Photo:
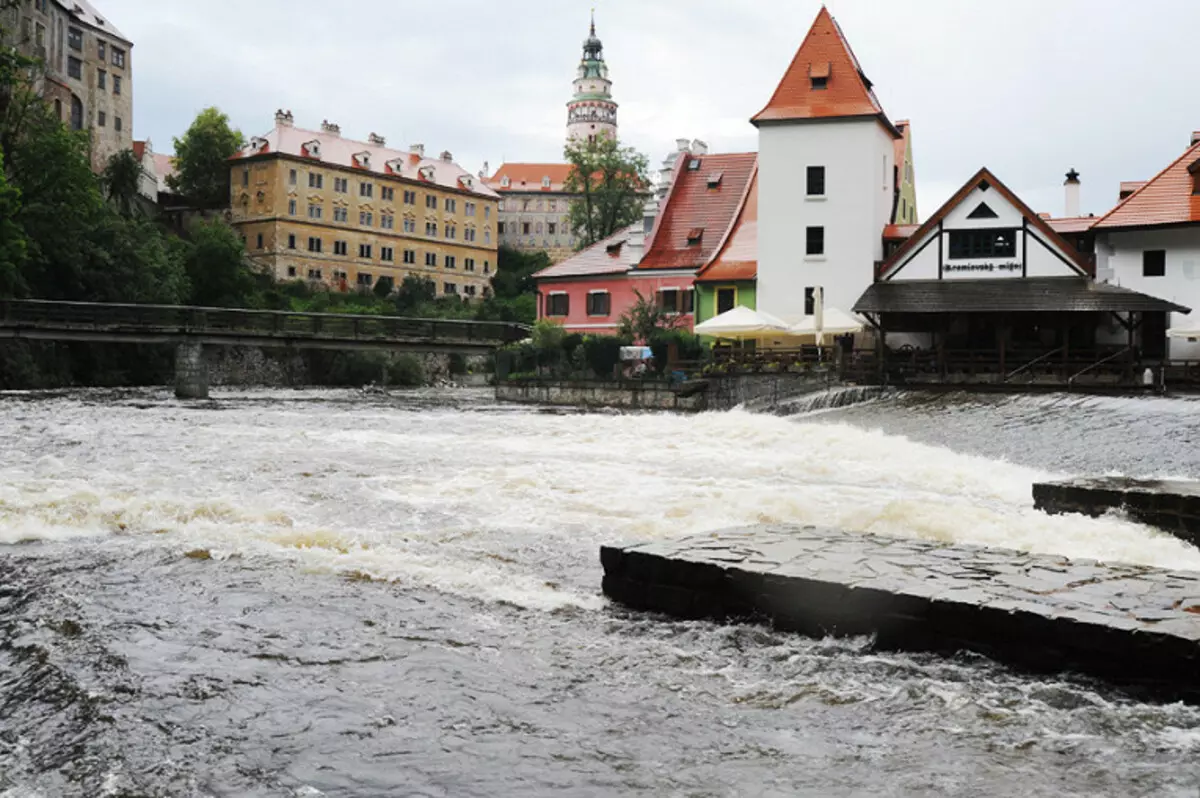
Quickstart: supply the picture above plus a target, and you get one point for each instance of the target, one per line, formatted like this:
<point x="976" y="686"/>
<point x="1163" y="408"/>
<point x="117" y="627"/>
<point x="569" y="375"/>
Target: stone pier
<point x="1138" y="627"/>
<point x="1170" y="505"/>
<point x="191" y="371"/>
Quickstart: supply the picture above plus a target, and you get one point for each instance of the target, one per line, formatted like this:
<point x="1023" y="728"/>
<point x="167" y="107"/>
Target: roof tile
<point x="610" y="256"/>
<point x="738" y="256"/>
<point x="1167" y="198"/>
<point x="530" y="177"/>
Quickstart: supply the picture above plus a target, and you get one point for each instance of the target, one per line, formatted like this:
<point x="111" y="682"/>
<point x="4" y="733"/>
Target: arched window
<point x="76" y="113"/>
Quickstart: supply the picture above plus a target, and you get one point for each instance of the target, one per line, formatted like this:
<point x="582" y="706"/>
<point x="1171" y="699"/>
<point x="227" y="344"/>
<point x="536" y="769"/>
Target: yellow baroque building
<point x="345" y="214"/>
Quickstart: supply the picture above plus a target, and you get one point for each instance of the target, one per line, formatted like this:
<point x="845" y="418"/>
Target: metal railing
<point x="189" y="320"/>
<point x="1098" y="364"/>
<point x="1033" y="363"/>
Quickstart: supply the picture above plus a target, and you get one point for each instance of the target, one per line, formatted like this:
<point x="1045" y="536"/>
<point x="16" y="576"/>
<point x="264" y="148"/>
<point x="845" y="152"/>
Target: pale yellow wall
<point x="260" y="204"/>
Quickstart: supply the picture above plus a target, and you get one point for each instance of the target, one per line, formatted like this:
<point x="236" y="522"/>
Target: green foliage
<point x="514" y="273"/>
<point x="215" y="260"/>
<point x="645" y="320"/>
<point x="413" y="292"/>
<point x="121" y="181"/>
<point x="548" y="336"/>
<point x="202" y="160"/>
<point x="356" y="369"/>
<point x="610" y="181"/>
<point x="384" y="287"/>
<point x="687" y="347"/>
<point x="603" y="354"/>
<point x="12" y="238"/>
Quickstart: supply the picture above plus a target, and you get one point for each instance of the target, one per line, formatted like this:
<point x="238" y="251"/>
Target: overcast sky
<point x="1029" y="88"/>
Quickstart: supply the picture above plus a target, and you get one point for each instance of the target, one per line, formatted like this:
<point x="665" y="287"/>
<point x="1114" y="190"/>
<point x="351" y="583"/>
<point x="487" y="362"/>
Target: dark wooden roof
<point x="1037" y="295"/>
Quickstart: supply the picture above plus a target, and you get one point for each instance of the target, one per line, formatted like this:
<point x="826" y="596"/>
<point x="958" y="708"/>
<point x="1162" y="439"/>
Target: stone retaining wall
<point x="633" y="395"/>
<point x="1170" y="505"/>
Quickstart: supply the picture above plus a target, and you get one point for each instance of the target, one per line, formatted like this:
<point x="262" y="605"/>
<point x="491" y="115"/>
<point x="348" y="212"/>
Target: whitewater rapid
<point x="493" y="503"/>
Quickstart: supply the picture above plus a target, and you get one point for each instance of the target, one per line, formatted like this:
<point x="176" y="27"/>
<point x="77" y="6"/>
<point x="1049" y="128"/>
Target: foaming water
<point x="408" y="583"/>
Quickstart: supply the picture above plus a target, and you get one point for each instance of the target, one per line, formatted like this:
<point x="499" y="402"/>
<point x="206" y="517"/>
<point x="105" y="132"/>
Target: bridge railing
<point x="183" y="319"/>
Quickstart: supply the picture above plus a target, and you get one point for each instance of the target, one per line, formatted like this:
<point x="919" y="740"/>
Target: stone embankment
<point x="1136" y="626"/>
<point x="1170" y="505"/>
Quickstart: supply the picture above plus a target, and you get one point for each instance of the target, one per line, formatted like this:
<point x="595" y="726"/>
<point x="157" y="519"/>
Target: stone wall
<point x="646" y="395"/>
<point x="763" y="391"/>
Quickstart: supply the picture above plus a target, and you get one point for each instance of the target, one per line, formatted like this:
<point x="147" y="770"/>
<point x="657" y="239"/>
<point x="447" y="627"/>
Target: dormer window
<point x="397" y="164"/>
<point x="695" y="236"/>
<point x="546" y="182"/>
<point x="427" y="172"/>
<point x="694" y="165"/>
<point x="258" y="144"/>
<point x="468" y="182"/>
<point x="362" y="160"/>
<point x="1194" y="171"/>
<point x="714" y="180"/>
<point x="313" y="149"/>
<point x="818" y="74"/>
<point x="505" y="182"/>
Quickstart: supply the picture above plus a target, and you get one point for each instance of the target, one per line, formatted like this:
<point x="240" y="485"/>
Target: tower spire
<point x="592" y="112"/>
<point x="593" y="28"/>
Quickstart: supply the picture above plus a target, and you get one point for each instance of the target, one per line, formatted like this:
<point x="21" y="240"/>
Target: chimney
<point x="283" y="118"/>
<point x="639" y="235"/>
<point x="699" y="147"/>
<point x="331" y="128"/>
<point x="1072" y="185"/>
<point x="447" y="157"/>
<point x="681" y="145"/>
<point x="377" y="140"/>
<point x="1195" y="137"/>
<point x="417" y="149"/>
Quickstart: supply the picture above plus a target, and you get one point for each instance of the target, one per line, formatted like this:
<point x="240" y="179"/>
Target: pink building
<point x="657" y="258"/>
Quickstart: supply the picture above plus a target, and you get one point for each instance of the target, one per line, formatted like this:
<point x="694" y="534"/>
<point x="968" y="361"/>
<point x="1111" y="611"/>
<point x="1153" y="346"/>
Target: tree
<point x="515" y="271"/>
<point x="202" y="160"/>
<point x="12" y="238"/>
<point x="610" y="183"/>
<point x="215" y="261"/>
<point x="414" y="291"/>
<point x="645" y="320"/>
<point x="121" y="180"/>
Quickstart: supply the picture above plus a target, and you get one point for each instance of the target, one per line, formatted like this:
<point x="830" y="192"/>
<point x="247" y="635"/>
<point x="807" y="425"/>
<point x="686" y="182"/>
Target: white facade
<point x="1120" y="260"/>
<point x="859" y="159"/>
<point x="1033" y="253"/>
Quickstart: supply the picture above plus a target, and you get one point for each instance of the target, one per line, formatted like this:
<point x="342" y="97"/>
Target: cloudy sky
<point x="1029" y="88"/>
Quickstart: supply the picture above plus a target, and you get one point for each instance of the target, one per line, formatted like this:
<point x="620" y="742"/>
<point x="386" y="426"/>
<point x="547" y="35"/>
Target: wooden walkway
<point x="174" y="324"/>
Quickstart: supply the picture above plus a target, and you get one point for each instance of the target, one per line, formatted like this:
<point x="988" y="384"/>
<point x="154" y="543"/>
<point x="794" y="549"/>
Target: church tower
<point x="592" y="111"/>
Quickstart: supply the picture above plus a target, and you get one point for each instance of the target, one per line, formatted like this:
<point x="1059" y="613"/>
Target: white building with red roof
<point x="1151" y="242"/>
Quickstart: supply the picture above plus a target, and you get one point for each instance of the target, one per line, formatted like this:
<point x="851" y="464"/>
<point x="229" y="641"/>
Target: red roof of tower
<point x="825" y="55"/>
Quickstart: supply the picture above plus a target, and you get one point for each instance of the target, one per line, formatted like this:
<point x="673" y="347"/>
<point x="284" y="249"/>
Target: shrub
<point x="603" y="353"/>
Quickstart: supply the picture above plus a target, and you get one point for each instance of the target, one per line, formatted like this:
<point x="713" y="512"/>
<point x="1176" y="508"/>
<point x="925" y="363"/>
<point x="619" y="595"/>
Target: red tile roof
<point x="610" y="256"/>
<point x="691" y="205"/>
<point x="1037" y="222"/>
<point x="530" y="177"/>
<point x="139" y="149"/>
<point x="900" y="232"/>
<point x="1130" y="186"/>
<point x="1072" y="224"/>
<point x="1167" y="198"/>
<point x="825" y="52"/>
<point x="737" y="259"/>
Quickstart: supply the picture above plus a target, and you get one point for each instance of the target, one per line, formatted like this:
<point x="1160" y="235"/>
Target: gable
<point x="984" y="232"/>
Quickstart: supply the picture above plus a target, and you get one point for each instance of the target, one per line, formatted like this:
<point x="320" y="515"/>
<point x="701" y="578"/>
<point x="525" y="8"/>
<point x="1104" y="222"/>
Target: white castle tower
<point x="592" y="111"/>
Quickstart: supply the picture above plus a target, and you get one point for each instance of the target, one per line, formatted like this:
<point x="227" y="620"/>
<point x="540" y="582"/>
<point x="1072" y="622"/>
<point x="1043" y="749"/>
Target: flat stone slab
<point x="1170" y="505"/>
<point x="1136" y="626"/>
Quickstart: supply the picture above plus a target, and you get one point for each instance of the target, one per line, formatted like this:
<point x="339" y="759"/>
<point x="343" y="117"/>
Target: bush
<point x="603" y="354"/>
<point x="688" y="347"/>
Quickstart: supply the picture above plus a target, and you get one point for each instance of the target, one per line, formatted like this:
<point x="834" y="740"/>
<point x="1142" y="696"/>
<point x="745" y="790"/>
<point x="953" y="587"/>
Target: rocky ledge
<point x="1170" y="505"/>
<point x="1137" y="627"/>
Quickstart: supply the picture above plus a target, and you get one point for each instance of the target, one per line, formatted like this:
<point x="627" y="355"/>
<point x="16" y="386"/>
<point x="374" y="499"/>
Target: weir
<point x="1136" y="626"/>
<point x="1170" y="505"/>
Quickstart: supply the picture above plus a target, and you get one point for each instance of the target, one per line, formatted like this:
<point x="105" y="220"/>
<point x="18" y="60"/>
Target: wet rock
<point x="1138" y="627"/>
<point x="1170" y="505"/>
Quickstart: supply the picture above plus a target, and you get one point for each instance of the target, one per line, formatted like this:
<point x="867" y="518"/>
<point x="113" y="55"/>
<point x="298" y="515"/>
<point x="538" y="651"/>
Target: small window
<point x="469" y="264"/>
<point x="341" y="215"/>
<point x="315" y="211"/>
<point x="75" y="67"/>
<point x="815" y="241"/>
<point x="75" y="39"/>
<point x="291" y="272"/>
<point x="726" y="300"/>
<point x="292" y="177"/>
<point x="694" y="165"/>
<point x="116" y="84"/>
<point x="291" y="207"/>
<point x="558" y="305"/>
<point x="668" y="300"/>
<point x="314" y="245"/>
<point x="100" y="51"/>
<point x="410" y="256"/>
<point x="366" y="219"/>
<point x="526" y="228"/>
<point x="118" y="57"/>
<point x="365" y="279"/>
<point x="695" y="236"/>
<point x="451" y="262"/>
<point x="260" y="241"/>
<point x="599" y="304"/>
<point x="983" y="211"/>
<point x="431" y="259"/>
<point x="292" y="241"/>
<point x="118" y="125"/>
<point x="449" y="289"/>
<point x="820" y="84"/>
<point x="364" y="251"/>
<point x="101" y="79"/>
<point x="816" y="181"/>
<point x="340" y="248"/>
<point x="314" y="274"/>
<point x="1154" y="263"/>
<point x="431" y="202"/>
<point x="366" y="189"/>
<point x="387" y="254"/>
<point x="315" y="180"/>
<point x="810" y="301"/>
<point x="245" y="177"/>
<point x="387" y="193"/>
<point x="101" y="119"/>
<point x="552" y="228"/>
<point x="687" y="302"/>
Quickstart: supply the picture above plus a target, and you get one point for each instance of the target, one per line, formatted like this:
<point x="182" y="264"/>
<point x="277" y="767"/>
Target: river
<point x="326" y="594"/>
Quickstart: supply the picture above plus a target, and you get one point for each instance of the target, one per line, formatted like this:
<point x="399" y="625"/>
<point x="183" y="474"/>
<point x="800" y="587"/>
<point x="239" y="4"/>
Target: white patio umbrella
<point x="830" y="322"/>
<point x="741" y="323"/>
<point x="1191" y="331"/>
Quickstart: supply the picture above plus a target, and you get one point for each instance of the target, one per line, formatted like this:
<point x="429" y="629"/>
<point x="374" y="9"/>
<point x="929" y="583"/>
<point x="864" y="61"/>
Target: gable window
<point x="983" y="244"/>
<point x="820" y="84"/>
<point x="814" y="243"/>
<point x="816" y="181"/>
<point x="599" y="303"/>
<point x="984" y="211"/>
<point x="1154" y="263"/>
<point x="726" y="300"/>
<point x="558" y="305"/>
